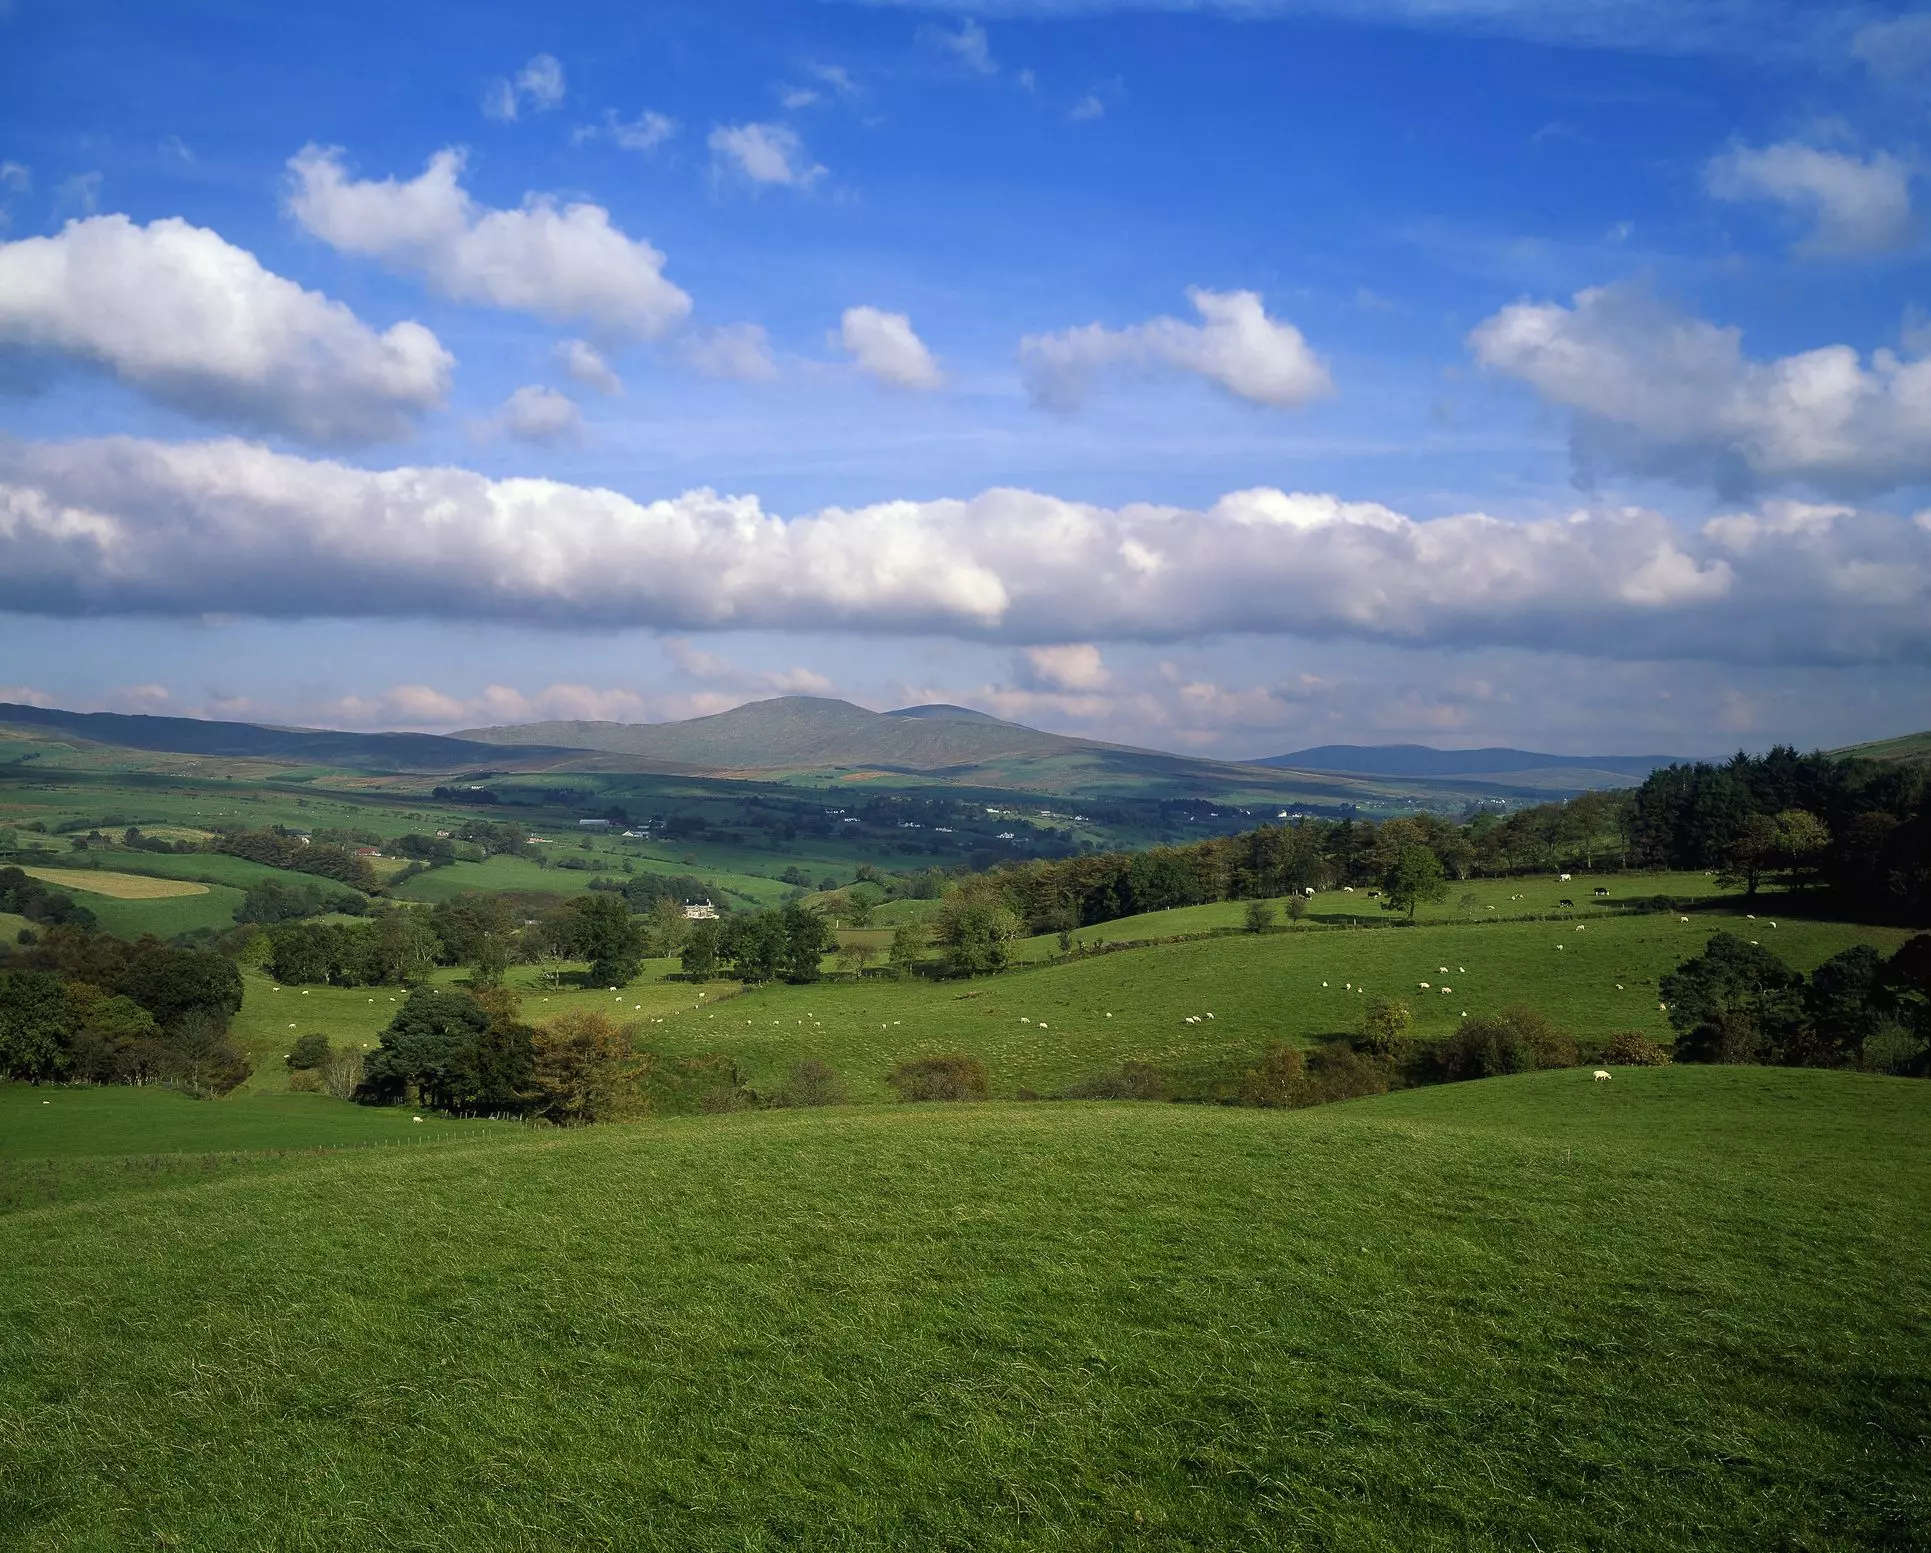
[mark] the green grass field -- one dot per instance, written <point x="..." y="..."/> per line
<point x="1682" y="1309"/>
<point x="163" y="918"/>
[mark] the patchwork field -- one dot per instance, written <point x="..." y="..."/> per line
<point x="120" y="887"/>
<point x="1681" y="1310"/>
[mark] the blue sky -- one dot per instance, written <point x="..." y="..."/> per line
<point x="1218" y="377"/>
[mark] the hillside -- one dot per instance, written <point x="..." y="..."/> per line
<point x="1680" y="1309"/>
<point x="1500" y="765"/>
<point x="304" y="746"/>
<point x="796" y="731"/>
<point x="1913" y="747"/>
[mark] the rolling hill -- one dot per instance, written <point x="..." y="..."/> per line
<point x="1906" y="747"/>
<point x="300" y="746"/>
<point x="1502" y="766"/>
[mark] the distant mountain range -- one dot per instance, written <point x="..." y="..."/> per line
<point x="789" y="732"/>
<point x="820" y="737"/>
<point x="1483" y="765"/>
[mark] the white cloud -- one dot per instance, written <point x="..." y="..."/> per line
<point x="198" y="325"/>
<point x="1236" y="346"/>
<point x="884" y="345"/>
<point x="1859" y="205"/>
<point x="737" y="351"/>
<point x="970" y="46"/>
<point x="538" y="414"/>
<point x="764" y="154"/>
<point x="16" y="177"/>
<point x="1073" y="667"/>
<point x="1658" y="393"/>
<point x="539" y="85"/>
<point x="1087" y="109"/>
<point x="81" y="192"/>
<point x="1896" y="51"/>
<point x="644" y="133"/>
<point x="584" y="364"/>
<point x="560" y="263"/>
<point x="129" y="526"/>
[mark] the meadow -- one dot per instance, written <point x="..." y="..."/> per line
<point x="1684" y="1308"/>
<point x="1048" y="1026"/>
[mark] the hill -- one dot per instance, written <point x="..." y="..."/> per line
<point x="1913" y="747"/>
<point x="797" y="731"/>
<point x="1679" y="1309"/>
<point x="304" y="746"/>
<point x="1499" y="765"/>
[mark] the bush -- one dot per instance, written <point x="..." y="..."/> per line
<point x="956" y="1076"/>
<point x="1280" y="1080"/>
<point x="1386" y="1027"/>
<point x="1893" y="1049"/>
<point x="1633" y="1049"/>
<point x="1130" y="1081"/>
<point x="305" y="1081"/>
<point x="308" y="1053"/>
<point x="341" y="1075"/>
<point x="583" y="1070"/>
<point x="1338" y="1072"/>
<point x="1517" y="1040"/>
<point x="1260" y="916"/>
<point x="811" y="1083"/>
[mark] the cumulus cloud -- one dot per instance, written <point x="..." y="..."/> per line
<point x="130" y="526"/>
<point x="541" y="415"/>
<point x="584" y="364"/>
<point x="763" y="155"/>
<point x="885" y="346"/>
<point x="16" y="177"/>
<point x="741" y="352"/>
<point x="198" y="325"/>
<point x="561" y="263"/>
<point x="81" y="192"/>
<point x="1658" y="393"/>
<point x="538" y="85"/>
<point x="1075" y="666"/>
<point x="644" y="133"/>
<point x="1859" y="205"/>
<point x="1235" y="346"/>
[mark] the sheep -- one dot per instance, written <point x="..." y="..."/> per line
<point x="1424" y="986"/>
<point x="1347" y="889"/>
<point x="1602" y="1075"/>
<point x="1309" y="892"/>
<point x="1446" y="991"/>
<point x="415" y="1118"/>
<point x="1562" y="878"/>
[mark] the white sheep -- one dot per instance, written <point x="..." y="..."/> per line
<point x="1562" y="878"/>
<point x="1602" y="1075"/>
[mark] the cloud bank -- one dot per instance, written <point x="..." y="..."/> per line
<point x="124" y="526"/>
<point x="561" y="263"/>
<point x="1657" y="393"/>
<point x="198" y="325"/>
<point x="1236" y="346"/>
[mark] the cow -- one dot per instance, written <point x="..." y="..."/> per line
<point x="1601" y="890"/>
<point x="1565" y="903"/>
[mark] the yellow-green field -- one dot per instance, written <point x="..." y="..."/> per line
<point x="120" y="887"/>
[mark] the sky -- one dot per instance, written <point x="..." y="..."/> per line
<point x="1218" y="377"/>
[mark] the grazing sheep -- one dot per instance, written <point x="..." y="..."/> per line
<point x="415" y="1118"/>
<point x="1446" y="991"/>
<point x="1347" y="889"/>
<point x="1309" y="892"/>
<point x="1602" y="1075"/>
<point x="1562" y="878"/>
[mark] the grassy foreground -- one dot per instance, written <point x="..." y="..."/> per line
<point x="1683" y="1308"/>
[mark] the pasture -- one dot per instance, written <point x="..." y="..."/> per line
<point x="1681" y="1309"/>
<point x="117" y="886"/>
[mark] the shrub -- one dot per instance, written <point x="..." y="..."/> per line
<point x="1633" y="1049"/>
<point x="341" y="1075"/>
<point x="305" y="1081"/>
<point x="1260" y="916"/>
<point x="1129" y="1081"/>
<point x="1517" y="1040"/>
<point x="955" y="1076"/>
<point x="1338" y="1072"/>
<point x="1279" y="1080"/>
<point x="1386" y="1027"/>
<point x="1296" y="907"/>
<point x="308" y="1053"/>
<point x="1893" y="1049"/>
<point x="811" y="1083"/>
<point x="583" y="1070"/>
